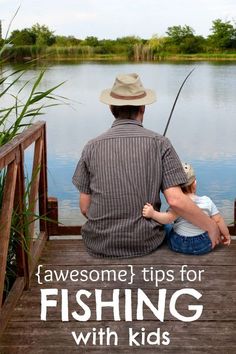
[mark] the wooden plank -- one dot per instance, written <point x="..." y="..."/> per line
<point x="188" y="336"/>
<point x="224" y="276"/>
<point x="68" y="244"/>
<point x="57" y="349"/>
<point x="68" y="230"/>
<point x="216" y="315"/>
<point x="5" y="220"/>
<point x="26" y="138"/>
<point x="71" y="258"/>
<point x="67" y="252"/>
<point x="10" y="302"/>
<point x="211" y="297"/>
<point x="34" y="188"/>
<point x="125" y="350"/>
<point x="29" y="308"/>
<point x="37" y="250"/>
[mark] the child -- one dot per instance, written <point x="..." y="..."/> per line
<point x="183" y="236"/>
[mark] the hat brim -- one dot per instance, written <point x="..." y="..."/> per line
<point x="108" y="99"/>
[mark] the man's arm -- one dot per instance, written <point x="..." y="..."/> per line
<point x="185" y="207"/>
<point x="84" y="203"/>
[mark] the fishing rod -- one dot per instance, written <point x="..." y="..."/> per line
<point x="176" y="99"/>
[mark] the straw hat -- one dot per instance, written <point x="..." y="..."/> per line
<point x="190" y="174"/>
<point x="128" y="91"/>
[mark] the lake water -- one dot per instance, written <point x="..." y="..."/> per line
<point x="202" y="130"/>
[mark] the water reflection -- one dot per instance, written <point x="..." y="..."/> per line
<point x="203" y="127"/>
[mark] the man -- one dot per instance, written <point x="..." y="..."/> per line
<point x="121" y="170"/>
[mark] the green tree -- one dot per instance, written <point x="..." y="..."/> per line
<point x="193" y="44"/>
<point x="223" y="35"/>
<point x="177" y="34"/>
<point x="64" y="41"/>
<point x="22" y="37"/>
<point x="129" y="40"/>
<point x="108" y="46"/>
<point x="181" y="39"/>
<point x="44" y="36"/>
<point x="91" y="41"/>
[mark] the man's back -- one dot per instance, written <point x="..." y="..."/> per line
<point x="123" y="169"/>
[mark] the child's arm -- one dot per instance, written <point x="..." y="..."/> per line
<point x="223" y="228"/>
<point x="161" y="217"/>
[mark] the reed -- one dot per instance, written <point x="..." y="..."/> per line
<point x="15" y="117"/>
<point x="136" y="52"/>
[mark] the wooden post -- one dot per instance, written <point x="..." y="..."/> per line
<point x="43" y="188"/>
<point x="5" y="220"/>
<point x="22" y="253"/>
<point x="235" y="217"/>
<point x="53" y="215"/>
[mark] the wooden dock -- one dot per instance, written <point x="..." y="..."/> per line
<point x="119" y="311"/>
<point x="213" y="332"/>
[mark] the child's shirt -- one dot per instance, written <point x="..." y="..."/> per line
<point x="185" y="228"/>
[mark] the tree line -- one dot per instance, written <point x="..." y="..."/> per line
<point x="178" y="40"/>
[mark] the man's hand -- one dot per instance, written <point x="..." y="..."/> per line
<point x="214" y="234"/>
<point x="148" y="211"/>
<point x="224" y="231"/>
<point x="226" y="239"/>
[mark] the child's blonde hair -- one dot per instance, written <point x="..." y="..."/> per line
<point x="189" y="189"/>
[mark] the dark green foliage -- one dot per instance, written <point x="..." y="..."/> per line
<point x="178" y="34"/>
<point x="183" y="40"/>
<point x="223" y="35"/>
<point x="191" y="45"/>
<point x="91" y="41"/>
<point x="64" y="41"/>
<point x="44" y="37"/>
<point x="23" y="37"/>
<point x="36" y="35"/>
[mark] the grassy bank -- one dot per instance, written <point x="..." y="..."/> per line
<point x="136" y="53"/>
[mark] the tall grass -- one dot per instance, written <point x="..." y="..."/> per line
<point x="136" y="52"/>
<point x="27" y="101"/>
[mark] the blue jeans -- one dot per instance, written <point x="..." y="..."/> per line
<point x="199" y="244"/>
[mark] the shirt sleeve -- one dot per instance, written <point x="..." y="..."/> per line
<point x="172" y="170"/>
<point x="81" y="177"/>
<point x="213" y="208"/>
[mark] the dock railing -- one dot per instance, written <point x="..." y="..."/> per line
<point x="12" y="163"/>
<point x="28" y="248"/>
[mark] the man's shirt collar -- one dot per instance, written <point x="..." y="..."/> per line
<point x="125" y="121"/>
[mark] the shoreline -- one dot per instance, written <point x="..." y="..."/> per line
<point x="57" y="57"/>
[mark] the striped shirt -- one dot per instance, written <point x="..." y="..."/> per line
<point x="123" y="169"/>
